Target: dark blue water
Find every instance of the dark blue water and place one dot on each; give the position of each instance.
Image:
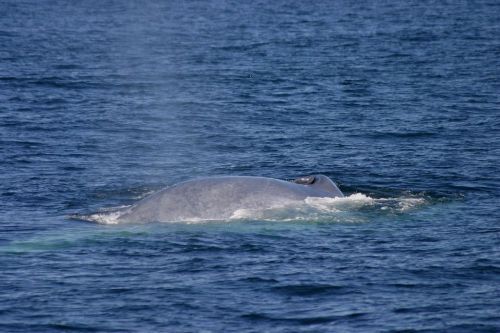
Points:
(102, 102)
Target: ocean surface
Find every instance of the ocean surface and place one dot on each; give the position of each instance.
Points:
(105, 102)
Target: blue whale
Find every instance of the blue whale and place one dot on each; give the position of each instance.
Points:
(218, 198)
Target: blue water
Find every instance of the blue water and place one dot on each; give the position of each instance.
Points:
(103, 102)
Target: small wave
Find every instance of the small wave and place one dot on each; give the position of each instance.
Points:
(312, 289)
(401, 134)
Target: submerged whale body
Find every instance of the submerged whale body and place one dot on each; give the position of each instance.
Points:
(218, 198)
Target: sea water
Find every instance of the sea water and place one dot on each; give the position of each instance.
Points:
(103, 103)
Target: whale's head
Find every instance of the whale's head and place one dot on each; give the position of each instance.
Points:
(320, 182)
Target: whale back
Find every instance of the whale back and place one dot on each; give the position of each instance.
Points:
(215, 198)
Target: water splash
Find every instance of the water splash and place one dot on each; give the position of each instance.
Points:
(356, 207)
(104, 216)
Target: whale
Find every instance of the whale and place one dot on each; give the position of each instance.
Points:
(218, 198)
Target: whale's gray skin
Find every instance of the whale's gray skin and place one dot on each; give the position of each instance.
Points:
(217, 198)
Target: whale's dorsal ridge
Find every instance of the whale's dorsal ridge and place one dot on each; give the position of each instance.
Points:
(324, 183)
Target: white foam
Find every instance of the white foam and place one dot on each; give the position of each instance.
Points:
(345, 209)
(356, 207)
(105, 216)
(335, 204)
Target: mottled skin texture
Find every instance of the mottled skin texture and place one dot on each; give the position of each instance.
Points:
(217, 198)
